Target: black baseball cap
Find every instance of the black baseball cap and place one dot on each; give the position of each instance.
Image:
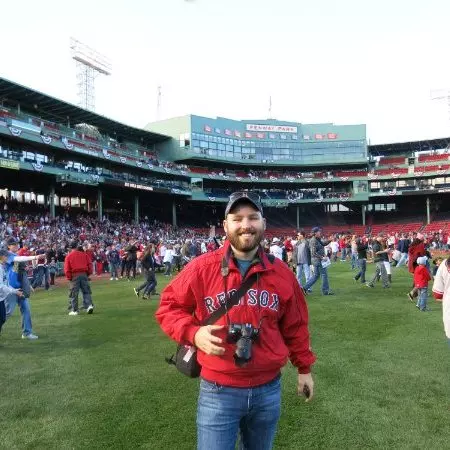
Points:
(244, 197)
(316, 229)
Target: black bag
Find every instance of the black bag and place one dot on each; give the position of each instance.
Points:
(185, 358)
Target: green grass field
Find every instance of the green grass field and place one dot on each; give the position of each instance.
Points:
(100, 381)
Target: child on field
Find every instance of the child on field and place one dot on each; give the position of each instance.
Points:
(52, 269)
(421, 279)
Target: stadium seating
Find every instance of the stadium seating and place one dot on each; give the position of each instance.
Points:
(434, 227)
(392, 160)
(441, 157)
(382, 172)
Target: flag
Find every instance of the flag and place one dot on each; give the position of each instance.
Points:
(332, 136)
(15, 131)
(272, 136)
(260, 135)
(208, 129)
(46, 139)
(237, 133)
(318, 136)
(248, 135)
(217, 130)
(228, 132)
(294, 137)
(306, 137)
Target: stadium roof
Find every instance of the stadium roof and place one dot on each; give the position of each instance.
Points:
(55, 110)
(415, 146)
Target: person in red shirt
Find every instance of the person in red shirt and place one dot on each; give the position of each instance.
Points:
(274, 305)
(421, 279)
(78, 268)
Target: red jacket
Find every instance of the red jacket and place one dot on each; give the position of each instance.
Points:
(77, 262)
(421, 277)
(275, 298)
(415, 250)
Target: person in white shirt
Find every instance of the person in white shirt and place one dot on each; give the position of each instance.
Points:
(167, 260)
(203, 248)
(275, 249)
(334, 245)
(441, 291)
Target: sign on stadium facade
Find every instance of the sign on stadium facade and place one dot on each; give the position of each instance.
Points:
(271, 128)
(8, 164)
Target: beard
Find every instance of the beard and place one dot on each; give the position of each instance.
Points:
(245, 243)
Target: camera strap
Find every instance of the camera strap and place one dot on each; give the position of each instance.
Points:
(231, 300)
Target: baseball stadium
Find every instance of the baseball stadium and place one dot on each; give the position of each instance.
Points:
(103, 382)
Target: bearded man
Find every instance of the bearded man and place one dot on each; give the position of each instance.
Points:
(240, 395)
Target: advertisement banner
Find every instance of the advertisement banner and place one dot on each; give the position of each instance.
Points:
(8, 164)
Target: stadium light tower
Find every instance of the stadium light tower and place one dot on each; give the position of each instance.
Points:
(89, 63)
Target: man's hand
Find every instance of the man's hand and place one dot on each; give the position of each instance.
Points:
(305, 383)
(205, 340)
(19, 292)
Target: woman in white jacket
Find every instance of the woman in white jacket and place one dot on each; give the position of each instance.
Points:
(441, 291)
(5, 290)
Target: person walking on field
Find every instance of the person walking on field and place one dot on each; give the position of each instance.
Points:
(318, 256)
(380, 255)
(240, 389)
(78, 267)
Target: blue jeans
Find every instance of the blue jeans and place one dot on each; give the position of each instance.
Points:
(422, 298)
(303, 269)
(113, 268)
(224, 411)
(354, 260)
(319, 271)
(362, 264)
(2, 314)
(11, 302)
(403, 259)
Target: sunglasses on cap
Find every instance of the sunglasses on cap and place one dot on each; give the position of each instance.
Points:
(253, 196)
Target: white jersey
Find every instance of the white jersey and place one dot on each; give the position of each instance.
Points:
(276, 251)
(334, 247)
(441, 288)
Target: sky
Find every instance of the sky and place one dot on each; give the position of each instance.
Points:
(346, 62)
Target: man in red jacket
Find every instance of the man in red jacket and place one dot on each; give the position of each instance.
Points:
(236, 396)
(78, 267)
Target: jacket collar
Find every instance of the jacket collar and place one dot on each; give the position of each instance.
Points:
(259, 263)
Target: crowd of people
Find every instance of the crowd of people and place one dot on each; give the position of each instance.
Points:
(123, 250)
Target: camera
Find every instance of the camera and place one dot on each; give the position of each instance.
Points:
(243, 335)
